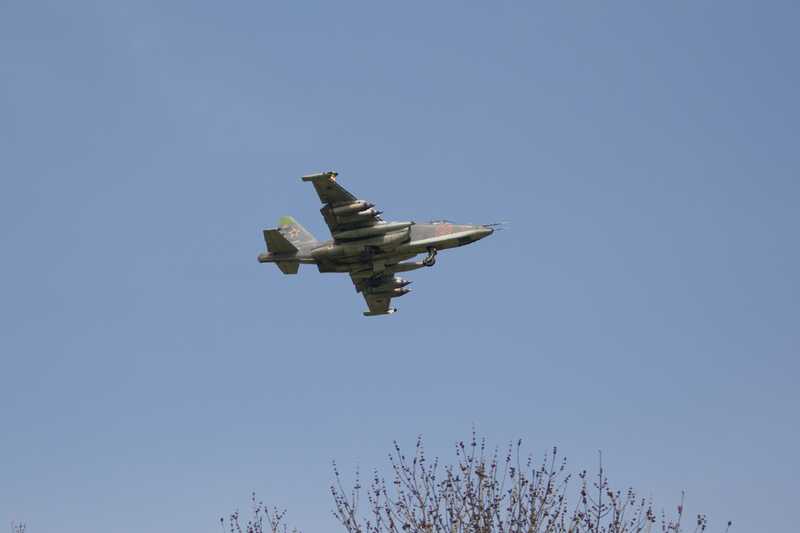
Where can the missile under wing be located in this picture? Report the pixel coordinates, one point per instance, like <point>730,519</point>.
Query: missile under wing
<point>364,245</point>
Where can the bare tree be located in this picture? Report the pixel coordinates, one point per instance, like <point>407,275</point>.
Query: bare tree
<point>484,492</point>
<point>263,520</point>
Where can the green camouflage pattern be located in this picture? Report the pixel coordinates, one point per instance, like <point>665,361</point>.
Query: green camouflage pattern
<point>364,245</point>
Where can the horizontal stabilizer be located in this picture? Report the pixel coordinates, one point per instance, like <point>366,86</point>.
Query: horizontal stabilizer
<point>277,243</point>
<point>280,246</point>
<point>288,267</point>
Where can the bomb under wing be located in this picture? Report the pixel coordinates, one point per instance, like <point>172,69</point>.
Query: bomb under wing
<point>371,250</point>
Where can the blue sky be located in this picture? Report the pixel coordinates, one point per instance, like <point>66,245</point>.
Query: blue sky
<point>645,301</point>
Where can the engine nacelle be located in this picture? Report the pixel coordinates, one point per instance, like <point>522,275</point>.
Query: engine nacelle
<point>338,251</point>
<point>380,228</point>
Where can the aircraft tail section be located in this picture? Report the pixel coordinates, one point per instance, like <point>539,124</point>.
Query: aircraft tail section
<point>278,245</point>
<point>294,232</point>
<point>285,243</point>
<point>288,267</point>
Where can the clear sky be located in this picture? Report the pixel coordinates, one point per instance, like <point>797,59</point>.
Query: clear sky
<point>645,301</point>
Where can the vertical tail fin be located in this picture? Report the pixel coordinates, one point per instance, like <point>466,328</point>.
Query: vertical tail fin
<point>285,243</point>
<point>294,232</point>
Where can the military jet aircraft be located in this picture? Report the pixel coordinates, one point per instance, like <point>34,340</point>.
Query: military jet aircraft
<point>370,249</point>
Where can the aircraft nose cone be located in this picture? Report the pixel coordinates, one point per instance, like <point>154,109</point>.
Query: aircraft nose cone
<point>484,232</point>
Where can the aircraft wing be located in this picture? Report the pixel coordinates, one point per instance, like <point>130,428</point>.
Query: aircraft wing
<point>342,210</point>
<point>379,290</point>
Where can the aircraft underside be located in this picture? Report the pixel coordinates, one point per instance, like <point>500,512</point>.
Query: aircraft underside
<point>368,248</point>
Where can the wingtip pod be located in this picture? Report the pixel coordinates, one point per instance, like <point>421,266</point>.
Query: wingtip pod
<point>320,175</point>
<point>389,311</point>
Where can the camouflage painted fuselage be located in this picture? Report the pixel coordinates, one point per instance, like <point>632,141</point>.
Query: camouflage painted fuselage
<point>360,255</point>
<point>364,245</point>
